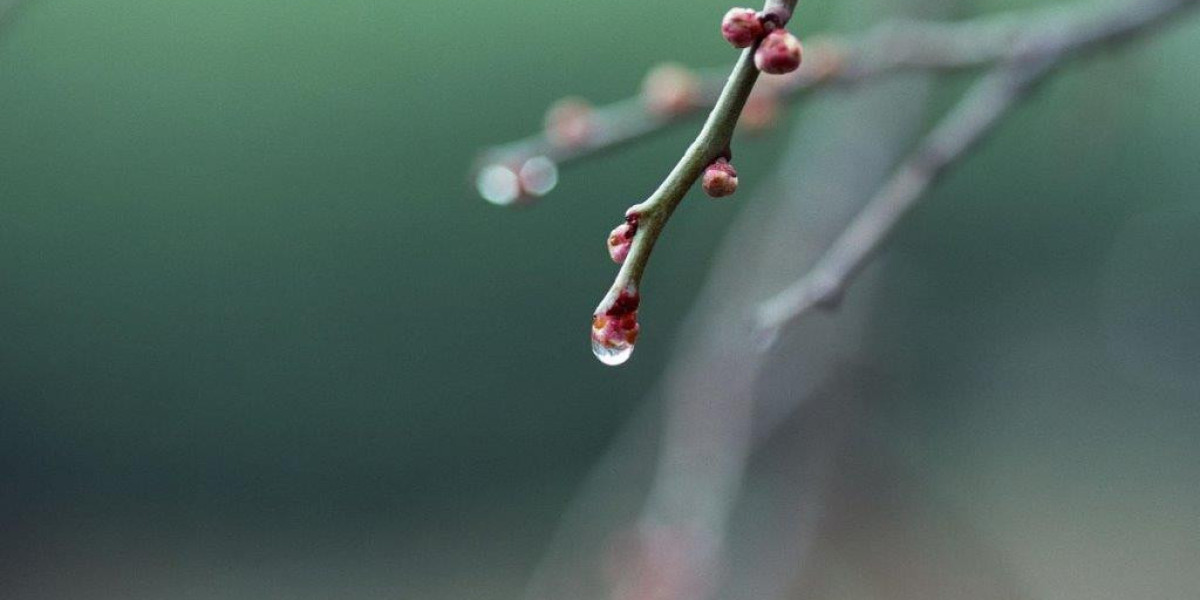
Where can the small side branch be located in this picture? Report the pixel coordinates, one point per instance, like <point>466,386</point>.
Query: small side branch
<point>968,123</point>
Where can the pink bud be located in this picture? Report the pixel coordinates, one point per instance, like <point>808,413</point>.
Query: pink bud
<point>670,89</point>
<point>778,53</point>
<point>720,179</point>
<point>741,27</point>
<point>569,123</point>
<point>620,241</point>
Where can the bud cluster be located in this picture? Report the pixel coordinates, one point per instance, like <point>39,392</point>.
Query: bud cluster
<point>778,51</point>
<point>742,27</point>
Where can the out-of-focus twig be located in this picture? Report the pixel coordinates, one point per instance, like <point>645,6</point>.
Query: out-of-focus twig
<point>1035,55</point>
<point>975,116</point>
<point>839,61</point>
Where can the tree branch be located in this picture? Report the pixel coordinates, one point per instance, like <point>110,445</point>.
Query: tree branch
<point>712,142</point>
<point>1035,55</point>
<point>973,118</point>
<point>713,139</point>
<point>840,61</point>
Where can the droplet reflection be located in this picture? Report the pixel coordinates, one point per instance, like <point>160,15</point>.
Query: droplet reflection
<point>499,185</point>
<point>612,354</point>
<point>614,334</point>
<point>539,175</point>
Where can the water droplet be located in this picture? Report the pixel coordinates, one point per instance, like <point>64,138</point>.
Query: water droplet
<point>613,336</point>
<point>539,175</point>
<point>499,185</point>
<point>612,354</point>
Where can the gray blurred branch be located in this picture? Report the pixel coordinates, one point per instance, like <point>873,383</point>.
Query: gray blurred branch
<point>972,119</point>
<point>841,61</point>
<point>1036,52</point>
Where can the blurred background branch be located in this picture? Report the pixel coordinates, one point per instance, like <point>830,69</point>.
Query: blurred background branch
<point>949,142</point>
<point>1035,52</point>
<point>898,45</point>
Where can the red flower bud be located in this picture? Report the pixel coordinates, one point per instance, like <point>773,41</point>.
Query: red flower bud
<point>741,27</point>
<point>779,53</point>
<point>620,241</point>
<point>720,179</point>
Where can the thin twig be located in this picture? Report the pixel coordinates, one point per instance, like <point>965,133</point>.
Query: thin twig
<point>712,141</point>
<point>975,116</point>
<point>967,124</point>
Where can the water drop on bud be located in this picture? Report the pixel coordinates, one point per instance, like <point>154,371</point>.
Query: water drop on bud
<point>615,330</point>
<point>779,53</point>
<point>720,179</point>
<point>613,338</point>
<point>741,27</point>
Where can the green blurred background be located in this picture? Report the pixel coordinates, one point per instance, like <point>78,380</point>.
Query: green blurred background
<point>260,338</point>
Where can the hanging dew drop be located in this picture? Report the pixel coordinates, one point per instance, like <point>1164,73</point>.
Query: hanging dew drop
<point>613,336</point>
<point>612,355</point>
